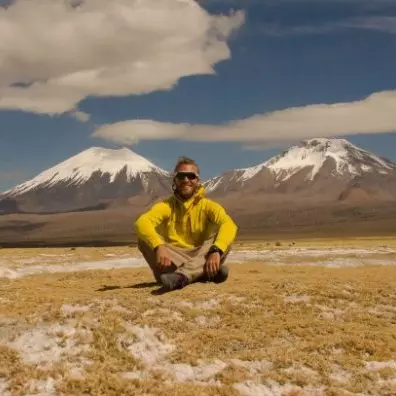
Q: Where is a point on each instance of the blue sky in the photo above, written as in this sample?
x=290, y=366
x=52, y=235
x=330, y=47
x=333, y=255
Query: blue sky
x=214, y=104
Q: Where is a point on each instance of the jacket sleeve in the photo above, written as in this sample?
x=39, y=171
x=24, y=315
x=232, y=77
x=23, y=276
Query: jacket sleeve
x=145, y=225
x=227, y=227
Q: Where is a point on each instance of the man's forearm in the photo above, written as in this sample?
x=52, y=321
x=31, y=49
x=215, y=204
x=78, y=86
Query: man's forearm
x=225, y=236
x=146, y=231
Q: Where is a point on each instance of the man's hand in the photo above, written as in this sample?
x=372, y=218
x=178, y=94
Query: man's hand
x=163, y=256
x=212, y=264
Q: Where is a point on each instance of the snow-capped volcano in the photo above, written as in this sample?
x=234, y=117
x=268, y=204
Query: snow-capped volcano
x=314, y=153
x=95, y=160
x=89, y=178
x=313, y=165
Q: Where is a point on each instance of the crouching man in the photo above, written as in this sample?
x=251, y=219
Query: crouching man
x=187, y=237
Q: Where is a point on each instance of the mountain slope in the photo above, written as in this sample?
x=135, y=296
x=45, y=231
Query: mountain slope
x=90, y=179
x=314, y=169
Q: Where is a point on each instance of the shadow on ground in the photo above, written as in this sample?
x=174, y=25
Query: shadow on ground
x=142, y=285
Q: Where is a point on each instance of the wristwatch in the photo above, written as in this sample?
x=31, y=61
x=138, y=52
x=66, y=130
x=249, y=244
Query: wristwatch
x=215, y=249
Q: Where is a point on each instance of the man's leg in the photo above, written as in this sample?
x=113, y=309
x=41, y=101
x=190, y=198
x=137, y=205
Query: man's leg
x=177, y=256
x=194, y=269
x=187, y=262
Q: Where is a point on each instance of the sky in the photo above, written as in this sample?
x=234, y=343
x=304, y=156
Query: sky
x=229, y=83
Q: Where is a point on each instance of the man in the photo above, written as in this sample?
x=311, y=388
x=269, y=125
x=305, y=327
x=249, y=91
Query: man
x=187, y=237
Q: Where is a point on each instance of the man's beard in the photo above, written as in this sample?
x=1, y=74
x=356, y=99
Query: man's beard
x=184, y=195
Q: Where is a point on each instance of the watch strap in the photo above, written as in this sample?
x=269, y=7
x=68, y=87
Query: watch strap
x=215, y=249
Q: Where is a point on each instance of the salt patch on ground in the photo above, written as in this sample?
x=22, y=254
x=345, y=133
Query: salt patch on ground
x=330, y=313
x=335, y=258
x=294, y=298
x=375, y=366
x=255, y=366
x=386, y=383
x=202, y=372
x=272, y=388
x=151, y=347
x=339, y=374
x=387, y=311
x=163, y=314
x=349, y=256
x=4, y=387
x=14, y=273
x=315, y=252
x=206, y=322
x=386, y=307
x=41, y=387
x=67, y=309
x=147, y=345
x=111, y=304
x=133, y=375
x=77, y=372
x=41, y=258
x=47, y=344
x=209, y=304
x=351, y=262
x=300, y=369
x=235, y=299
x=120, y=308
x=119, y=255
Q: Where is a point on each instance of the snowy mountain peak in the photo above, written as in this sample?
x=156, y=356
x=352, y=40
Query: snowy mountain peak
x=95, y=155
x=78, y=169
x=313, y=153
x=327, y=144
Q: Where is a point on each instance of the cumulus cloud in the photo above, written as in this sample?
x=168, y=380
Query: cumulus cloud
x=373, y=114
x=54, y=53
x=81, y=116
x=130, y=132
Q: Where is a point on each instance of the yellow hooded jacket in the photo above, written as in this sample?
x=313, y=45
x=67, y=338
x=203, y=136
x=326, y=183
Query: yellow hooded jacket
x=186, y=224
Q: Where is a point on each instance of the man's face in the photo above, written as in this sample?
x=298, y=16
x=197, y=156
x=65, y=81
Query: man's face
x=186, y=180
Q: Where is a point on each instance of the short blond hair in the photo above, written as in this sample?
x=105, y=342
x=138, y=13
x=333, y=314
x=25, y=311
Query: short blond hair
x=185, y=161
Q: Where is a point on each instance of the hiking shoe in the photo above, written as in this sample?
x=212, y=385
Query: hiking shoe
x=222, y=275
x=174, y=280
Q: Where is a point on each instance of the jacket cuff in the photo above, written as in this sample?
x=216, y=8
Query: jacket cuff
x=221, y=245
x=156, y=242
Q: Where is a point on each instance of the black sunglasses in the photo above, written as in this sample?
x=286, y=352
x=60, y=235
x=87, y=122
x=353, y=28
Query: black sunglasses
x=189, y=175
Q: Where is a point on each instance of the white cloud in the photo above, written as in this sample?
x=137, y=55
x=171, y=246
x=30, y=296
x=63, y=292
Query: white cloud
x=385, y=24
x=81, y=116
x=58, y=52
x=380, y=23
x=374, y=114
x=130, y=132
x=39, y=98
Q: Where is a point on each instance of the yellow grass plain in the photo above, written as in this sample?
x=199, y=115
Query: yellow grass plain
x=269, y=330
